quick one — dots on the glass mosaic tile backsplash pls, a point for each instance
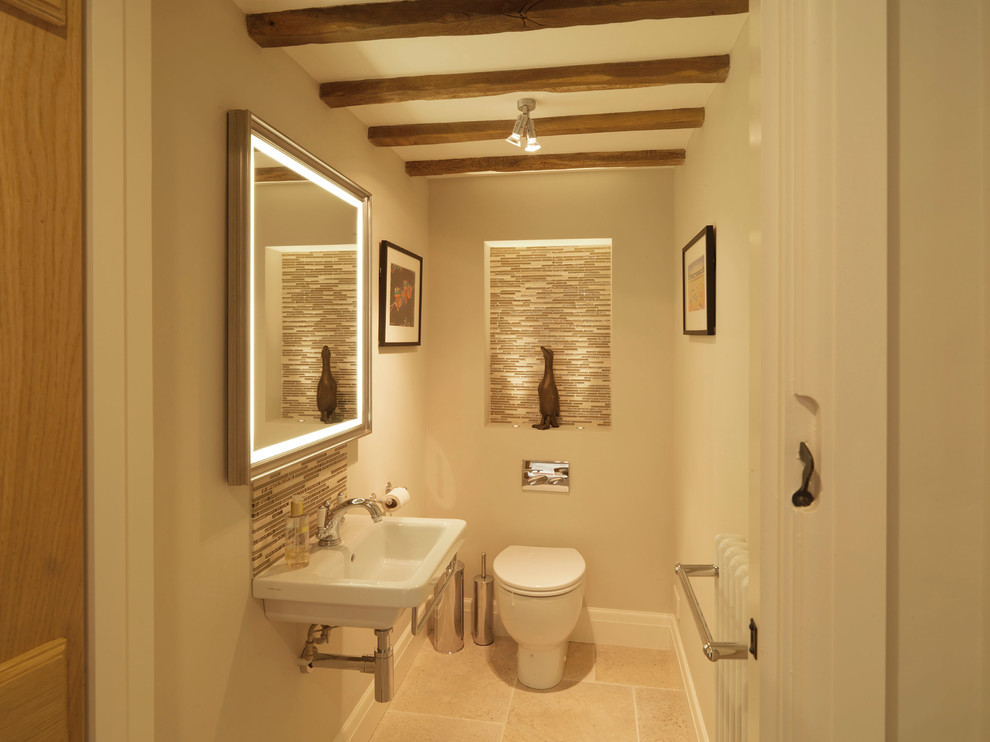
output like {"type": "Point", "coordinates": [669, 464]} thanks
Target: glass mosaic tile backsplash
{"type": "Point", "coordinates": [321, 477]}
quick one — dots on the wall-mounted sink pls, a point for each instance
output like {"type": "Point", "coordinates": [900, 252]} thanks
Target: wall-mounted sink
{"type": "Point", "coordinates": [369, 580]}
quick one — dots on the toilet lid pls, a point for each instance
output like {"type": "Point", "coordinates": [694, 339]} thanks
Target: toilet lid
{"type": "Point", "coordinates": [538, 569]}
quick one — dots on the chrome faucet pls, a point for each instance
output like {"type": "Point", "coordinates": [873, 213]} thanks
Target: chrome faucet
{"type": "Point", "coordinates": [329, 515]}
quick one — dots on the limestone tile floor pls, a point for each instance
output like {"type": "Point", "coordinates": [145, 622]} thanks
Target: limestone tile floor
{"type": "Point", "coordinates": [608, 694]}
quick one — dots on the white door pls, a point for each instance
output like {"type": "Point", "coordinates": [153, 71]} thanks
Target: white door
{"type": "Point", "coordinates": [823, 568]}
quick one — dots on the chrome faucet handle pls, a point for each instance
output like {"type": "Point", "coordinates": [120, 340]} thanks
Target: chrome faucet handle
{"type": "Point", "coordinates": [374, 499]}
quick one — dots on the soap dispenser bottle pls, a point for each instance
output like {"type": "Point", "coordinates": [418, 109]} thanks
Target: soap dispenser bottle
{"type": "Point", "coordinates": [296, 535]}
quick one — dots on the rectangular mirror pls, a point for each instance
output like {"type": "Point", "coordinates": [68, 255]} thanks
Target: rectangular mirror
{"type": "Point", "coordinates": [298, 301]}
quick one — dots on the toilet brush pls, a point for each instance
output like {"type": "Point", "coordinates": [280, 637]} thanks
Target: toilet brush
{"type": "Point", "coordinates": [483, 606]}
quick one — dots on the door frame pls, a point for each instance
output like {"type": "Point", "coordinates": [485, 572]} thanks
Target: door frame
{"type": "Point", "coordinates": [823, 144]}
{"type": "Point", "coordinates": [119, 434]}
{"type": "Point", "coordinates": [822, 666]}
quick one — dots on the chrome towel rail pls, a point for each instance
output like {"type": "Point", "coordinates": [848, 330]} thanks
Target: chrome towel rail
{"type": "Point", "coordinates": [714, 650]}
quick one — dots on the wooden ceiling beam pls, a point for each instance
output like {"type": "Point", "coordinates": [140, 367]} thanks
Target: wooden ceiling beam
{"type": "Point", "coordinates": [574, 79]}
{"type": "Point", "coordinates": [406, 135]}
{"type": "Point", "coordinates": [418, 18]}
{"type": "Point", "coordinates": [276, 174]}
{"type": "Point", "coordinates": [531, 163]}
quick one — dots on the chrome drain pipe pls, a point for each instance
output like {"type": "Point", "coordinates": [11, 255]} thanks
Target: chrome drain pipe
{"type": "Point", "coordinates": [381, 664]}
{"type": "Point", "coordinates": [384, 666]}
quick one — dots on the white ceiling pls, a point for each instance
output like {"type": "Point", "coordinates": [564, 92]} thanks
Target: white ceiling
{"type": "Point", "coordinates": [619, 42]}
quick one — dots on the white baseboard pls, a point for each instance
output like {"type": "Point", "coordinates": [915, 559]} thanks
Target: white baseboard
{"type": "Point", "coordinates": [623, 628]}
{"type": "Point", "coordinates": [692, 697]}
{"type": "Point", "coordinates": [605, 626]}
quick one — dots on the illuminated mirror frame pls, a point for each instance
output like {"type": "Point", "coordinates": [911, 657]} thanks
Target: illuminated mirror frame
{"type": "Point", "coordinates": [246, 131]}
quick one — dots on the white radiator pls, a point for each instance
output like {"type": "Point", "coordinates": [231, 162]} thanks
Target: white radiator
{"type": "Point", "coordinates": [731, 624]}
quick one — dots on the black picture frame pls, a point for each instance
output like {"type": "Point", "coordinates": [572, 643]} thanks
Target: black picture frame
{"type": "Point", "coordinates": [400, 296]}
{"type": "Point", "coordinates": [698, 283]}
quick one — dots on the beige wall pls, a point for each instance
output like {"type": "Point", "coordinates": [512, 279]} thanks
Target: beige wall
{"type": "Point", "coordinates": [714, 451]}
{"type": "Point", "coordinates": [617, 513]}
{"type": "Point", "coordinates": [223, 671]}
{"type": "Point", "coordinates": [937, 627]}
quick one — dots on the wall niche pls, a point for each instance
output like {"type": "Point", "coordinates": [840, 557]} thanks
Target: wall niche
{"type": "Point", "coordinates": [557, 294]}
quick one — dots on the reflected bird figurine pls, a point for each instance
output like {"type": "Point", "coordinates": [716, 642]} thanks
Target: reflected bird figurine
{"type": "Point", "coordinates": [549, 399]}
{"type": "Point", "coordinates": [326, 390]}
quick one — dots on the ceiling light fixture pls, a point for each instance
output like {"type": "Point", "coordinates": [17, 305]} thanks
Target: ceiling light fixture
{"type": "Point", "coordinates": [518, 130]}
{"type": "Point", "coordinates": [524, 126]}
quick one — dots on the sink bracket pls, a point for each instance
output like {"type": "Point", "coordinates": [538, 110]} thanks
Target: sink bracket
{"type": "Point", "coordinates": [417, 624]}
{"type": "Point", "coordinates": [381, 664]}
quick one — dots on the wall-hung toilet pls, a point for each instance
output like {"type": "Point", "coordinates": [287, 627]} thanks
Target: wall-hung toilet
{"type": "Point", "coordinates": [538, 591]}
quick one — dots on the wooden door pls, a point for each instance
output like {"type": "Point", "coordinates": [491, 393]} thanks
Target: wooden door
{"type": "Point", "coordinates": [42, 560]}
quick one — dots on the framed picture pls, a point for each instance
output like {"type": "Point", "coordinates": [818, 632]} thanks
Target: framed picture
{"type": "Point", "coordinates": [698, 283]}
{"type": "Point", "coordinates": [400, 296]}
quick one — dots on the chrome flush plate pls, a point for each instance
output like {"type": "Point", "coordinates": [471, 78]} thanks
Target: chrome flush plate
{"type": "Point", "coordinates": [546, 476]}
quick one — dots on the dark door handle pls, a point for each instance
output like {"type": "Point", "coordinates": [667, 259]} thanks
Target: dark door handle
{"type": "Point", "coordinates": [803, 497]}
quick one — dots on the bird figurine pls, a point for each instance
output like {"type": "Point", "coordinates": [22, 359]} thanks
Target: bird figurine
{"type": "Point", "coordinates": [326, 390]}
{"type": "Point", "coordinates": [547, 391]}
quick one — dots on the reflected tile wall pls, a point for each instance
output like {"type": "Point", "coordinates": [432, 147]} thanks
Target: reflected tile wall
{"type": "Point", "coordinates": [319, 294]}
{"type": "Point", "coordinates": [559, 297]}
{"type": "Point", "coordinates": [321, 477]}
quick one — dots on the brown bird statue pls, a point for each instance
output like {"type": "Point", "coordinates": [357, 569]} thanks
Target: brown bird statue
{"type": "Point", "coordinates": [549, 399]}
{"type": "Point", "coordinates": [326, 390]}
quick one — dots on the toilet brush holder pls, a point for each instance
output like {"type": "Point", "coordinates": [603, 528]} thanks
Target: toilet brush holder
{"type": "Point", "coordinates": [482, 609]}
{"type": "Point", "coordinates": [447, 621]}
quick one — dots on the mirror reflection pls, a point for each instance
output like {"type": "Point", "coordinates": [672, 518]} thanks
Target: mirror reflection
{"type": "Point", "coordinates": [305, 258]}
{"type": "Point", "coordinates": [305, 252]}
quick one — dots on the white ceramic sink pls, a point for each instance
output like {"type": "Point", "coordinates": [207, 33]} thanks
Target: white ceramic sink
{"type": "Point", "coordinates": [369, 580]}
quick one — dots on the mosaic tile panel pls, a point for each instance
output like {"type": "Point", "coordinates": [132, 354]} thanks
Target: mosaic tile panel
{"type": "Point", "coordinates": [321, 477]}
{"type": "Point", "coordinates": [559, 297]}
{"type": "Point", "coordinates": [319, 296]}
